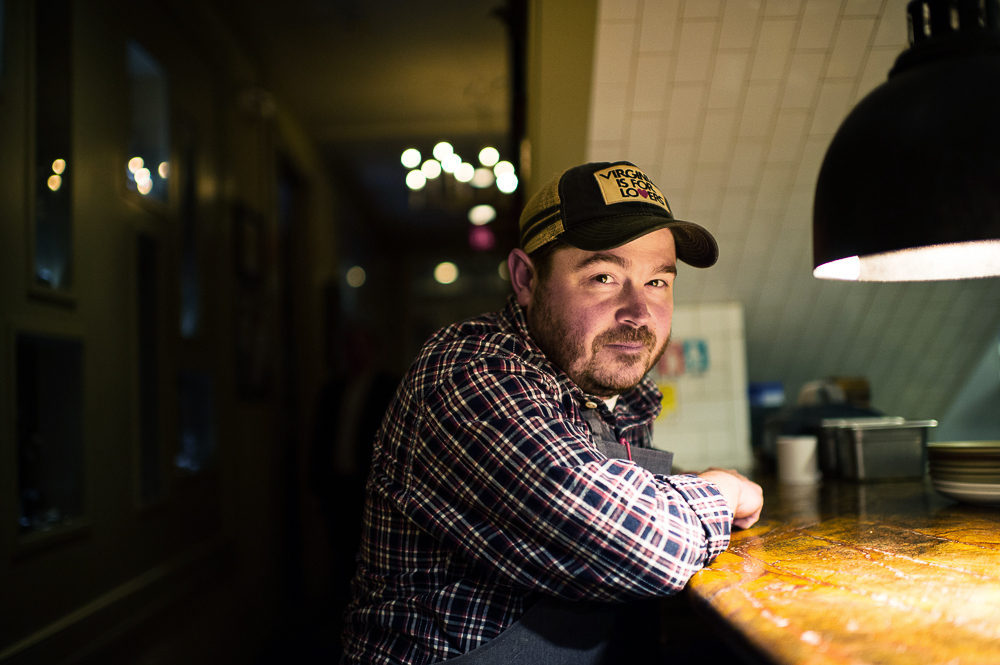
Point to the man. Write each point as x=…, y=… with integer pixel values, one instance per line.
x=509, y=516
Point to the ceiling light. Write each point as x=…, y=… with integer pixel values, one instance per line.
x=482, y=238
x=502, y=167
x=482, y=178
x=450, y=162
x=445, y=272
x=431, y=168
x=507, y=183
x=143, y=180
x=489, y=156
x=908, y=187
x=441, y=150
x=464, y=172
x=355, y=276
x=410, y=158
x=481, y=214
x=416, y=179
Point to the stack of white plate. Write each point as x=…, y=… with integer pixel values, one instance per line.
x=966, y=471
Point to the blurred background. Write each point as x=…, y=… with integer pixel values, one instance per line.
x=217, y=262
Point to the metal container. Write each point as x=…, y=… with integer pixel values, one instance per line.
x=880, y=449
x=828, y=436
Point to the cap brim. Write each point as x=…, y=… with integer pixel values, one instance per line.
x=695, y=245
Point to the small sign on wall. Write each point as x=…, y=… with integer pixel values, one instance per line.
x=680, y=358
x=704, y=418
x=688, y=356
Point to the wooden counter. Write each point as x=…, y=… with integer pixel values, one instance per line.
x=886, y=573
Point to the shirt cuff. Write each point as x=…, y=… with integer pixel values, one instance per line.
x=709, y=504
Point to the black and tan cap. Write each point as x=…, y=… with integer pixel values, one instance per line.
x=602, y=205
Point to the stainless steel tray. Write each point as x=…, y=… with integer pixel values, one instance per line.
x=880, y=449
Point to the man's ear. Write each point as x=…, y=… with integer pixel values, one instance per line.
x=523, y=277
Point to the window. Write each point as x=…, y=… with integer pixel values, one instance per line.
x=148, y=165
x=53, y=168
x=50, y=456
x=151, y=485
x=190, y=276
x=196, y=449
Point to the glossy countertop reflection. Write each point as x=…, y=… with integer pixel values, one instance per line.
x=843, y=572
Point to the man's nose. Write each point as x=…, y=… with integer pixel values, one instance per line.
x=633, y=309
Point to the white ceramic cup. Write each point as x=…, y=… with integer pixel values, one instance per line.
x=797, y=460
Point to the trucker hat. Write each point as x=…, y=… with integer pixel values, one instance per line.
x=602, y=205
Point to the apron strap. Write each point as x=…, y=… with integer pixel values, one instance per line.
x=654, y=461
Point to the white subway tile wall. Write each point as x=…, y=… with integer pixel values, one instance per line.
x=705, y=420
x=731, y=105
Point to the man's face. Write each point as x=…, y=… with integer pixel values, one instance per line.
x=604, y=317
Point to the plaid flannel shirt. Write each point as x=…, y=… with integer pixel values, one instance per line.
x=486, y=490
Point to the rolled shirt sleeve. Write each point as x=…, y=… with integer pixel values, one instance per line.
x=507, y=481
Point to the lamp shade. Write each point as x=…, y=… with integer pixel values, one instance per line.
x=909, y=188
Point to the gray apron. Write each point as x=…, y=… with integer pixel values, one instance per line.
x=655, y=461
x=560, y=632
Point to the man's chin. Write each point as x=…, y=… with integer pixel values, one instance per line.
x=613, y=384
x=627, y=363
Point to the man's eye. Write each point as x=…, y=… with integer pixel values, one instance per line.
x=658, y=283
x=604, y=279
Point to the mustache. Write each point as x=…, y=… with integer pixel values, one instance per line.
x=626, y=335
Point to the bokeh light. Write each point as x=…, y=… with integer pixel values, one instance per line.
x=481, y=214
x=355, y=276
x=431, y=168
x=442, y=150
x=482, y=238
x=416, y=179
x=503, y=167
x=143, y=180
x=410, y=158
x=445, y=272
x=507, y=183
x=482, y=178
x=489, y=156
x=450, y=163
x=464, y=172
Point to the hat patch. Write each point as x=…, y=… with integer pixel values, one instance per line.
x=628, y=185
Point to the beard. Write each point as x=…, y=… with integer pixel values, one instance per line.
x=565, y=347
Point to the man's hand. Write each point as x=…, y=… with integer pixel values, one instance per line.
x=745, y=497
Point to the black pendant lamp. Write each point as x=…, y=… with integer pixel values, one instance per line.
x=909, y=189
